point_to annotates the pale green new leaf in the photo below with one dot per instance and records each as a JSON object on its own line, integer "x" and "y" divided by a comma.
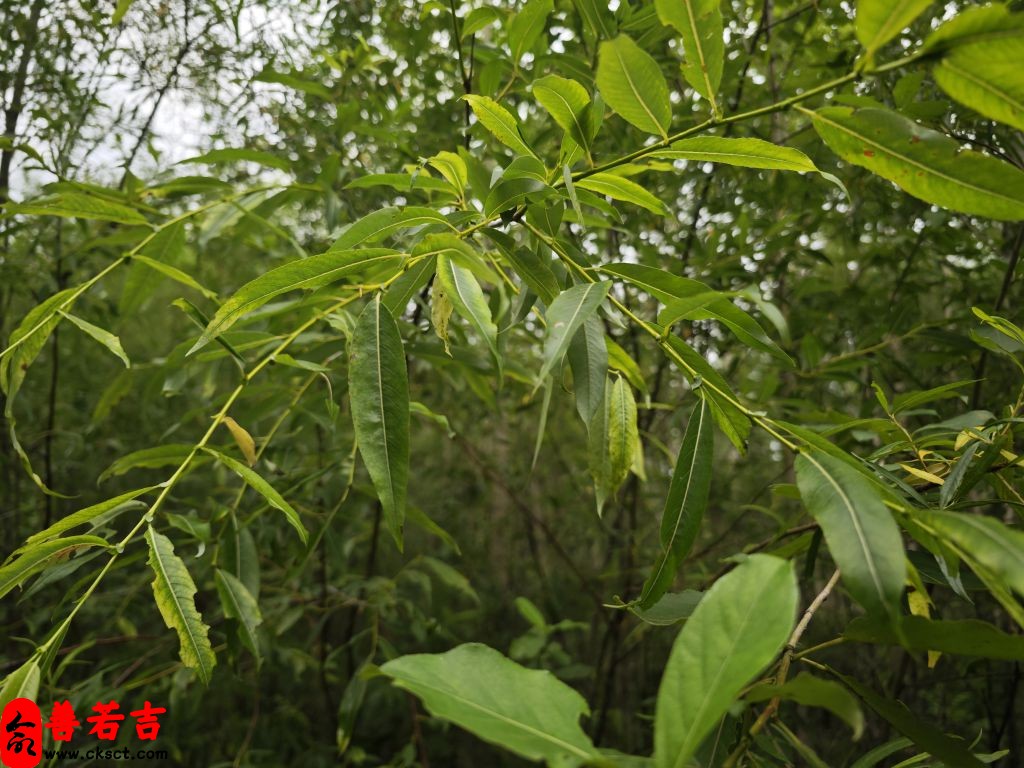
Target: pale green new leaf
{"x": 526, "y": 711}
{"x": 632, "y": 84}
{"x": 924, "y": 163}
{"x": 588, "y": 360}
{"x": 33, "y": 559}
{"x": 238, "y": 603}
{"x": 453, "y": 168}
{"x": 619, "y": 188}
{"x": 566, "y": 101}
{"x": 468, "y": 299}
{"x": 565, "y": 316}
{"x": 987, "y": 77}
{"x": 863, "y": 538}
{"x": 263, "y": 488}
{"x": 685, "y": 505}
{"x": 700, "y": 24}
{"x": 106, "y": 338}
{"x": 379, "y": 392}
{"x": 745, "y": 153}
{"x": 738, "y": 627}
{"x": 174, "y": 592}
{"x": 879, "y": 21}
{"x": 527, "y": 25}
{"x": 314, "y": 272}
{"x": 500, "y": 122}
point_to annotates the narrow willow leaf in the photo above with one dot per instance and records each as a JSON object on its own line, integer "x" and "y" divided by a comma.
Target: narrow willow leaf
{"x": 238, "y": 603}
{"x": 633, "y": 86}
{"x": 526, "y": 711}
{"x": 314, "y": 272}
{"x": 619, "y": 188}
{"x": 36, "y": 557}
{"x": 746, "y": 153}
{"x": 440, "y": 312}
{"x": 613, "y": 439}
{"x": 542, "y": 421}
{"x": 242, "y": 438}
{"x": 500, "y": 122}
{"x": 879, "y": 21}
{"x": 77, "y": 205}
{"x": 402, "y": 182}
{"x": 565, "y": 316}
{"x": 30, "y": 336}
{"x": 147, "y": 458}
{"x": 566, "y": 101}
{"x": 376, "y": 226}
{"x": 998, "y": 548}
{"x": 672, "y": 608}
{"x": 861, "y": 534}
{"x": 812, "y": 691}
{"x": 22, "y": 683}
{"x": 740, "y": 625}
{"x": 468, "y": 299}
{"x": 953, "y": 753}
{"x": 533, "y": 267}
{"x": 588, "y": 359}
{"x": 174, "y": 273}
{"x": 264, "y": 489}
{"x": 84, "y": 515}
{"x": 240, "y": 155}
{"x": 619, "y": 360}
{"x": 379, "y": 391}
{"x": 174, "y": 592}
{"x": 987, "y": 77}
{"x": 508, "y": 193}
{"x": 700, "y": 24}
{"x": 685, "y": 505}
{"x": 404, "y": 289}
{"x": 527, "y": 25}
{"x": 963, "y": 637}
{"x": 922, "y": 162}
{"x": 106, "y": 338}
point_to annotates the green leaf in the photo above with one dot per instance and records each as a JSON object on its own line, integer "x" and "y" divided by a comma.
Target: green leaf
{"x": 378, "y": 225}
{"x": 811, "y": 691}
{"x": 106, "y": 338}
{"x": 962, "y": 637}
{"x": 738, "y": 627}
{"x": 619, "y": 188}
{"x": 452, "y": 167}
{"x": 77, "y": 205}
{"x": 379, "y": 391}
{"x": 174, "y": 273}
{"x": 879, "y": 21}
{"x": 987, "y": 77}
{"x": 403, "y": 290}
{"x": 403, "y": 182}
{"x": 147, "y": 458}
{"x": 700, "y": 24}
{"x": 174, "y": 592}
{"x": 566, "y": 101}
{"x": 235, "y": 155}
{"x": 565, "y": 316}
{"x": 997, "y": 547}
{"x": 746, "y": 153}
{"x": 264, "y": 489}
{"x": 85, "y": 515}
{"x": 120, "y": 10}
{"x": 508, "y": 193}
{"x": 527, "y": 25}
{"x": 238, "y": 603}
{"x": 30, "y": 336}
{"x": 588, "y": 360}
{"x": 314, "y": 272}
{"x": 468, "y": 298}
{"x": 33, "y": 559}
{"x": 922, "y": 162}
{"x": 954, "y": 753}
{"x": 526, "y": 711}
{"x": 633, "y": 86}
{"x": 672, "y": 608}
{"x": 685, "y": 505}
{"x": 978, "y": 24}
{"x": 613, "y": 441}
{"x": 500, "y": 122}
{"x": 861, "y": 534}
{"x": 22, "y": 683}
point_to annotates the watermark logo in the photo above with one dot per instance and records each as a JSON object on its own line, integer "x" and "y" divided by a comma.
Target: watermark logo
{"x": 21, "y": 734}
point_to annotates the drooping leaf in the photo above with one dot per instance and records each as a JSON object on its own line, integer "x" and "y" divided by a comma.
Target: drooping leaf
{"x": 314, "y": 272}
{"x": 746, "y": 153}
{"x": 632, "y": 84}
{"x": 500, "y": 122}
{"x": 468, "y": 299}
{"x": 527, "y": 25}
{"x": 588, "y": 359}
{"x": 85, "y": 515}
{"x": 987, "y": 78}
{"x": 961, "y": 637}
{"x": 879, "y": 21}
{"x": 997, "y": 547}
{"x": 566, "y": 315}
{"x": 27, "y": 340}
{"x": 37, "y": 556}
{"x": 700, "y": 24}
{"x": 613, "y": 441}
{"x": 922, "y": 162}
{"x": 174, "y": 592}
{"x": 684, "y": 507}
{"x": 379, "y": 392}
{"x": 861, "y": 534}
{"x": 106, "y": 338}
{"x": 255, "y": 481}
{"x": 738, "y": 627}
{"x": 528, "y": 712}
{"x": 566, "y": 101}
{"x": 174, "y": 273}
{"x": 811, "y": 691}
{"x": 619, "y": 188}
{"x": 242, "y": 437}
{"x": 238, "y": 603}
